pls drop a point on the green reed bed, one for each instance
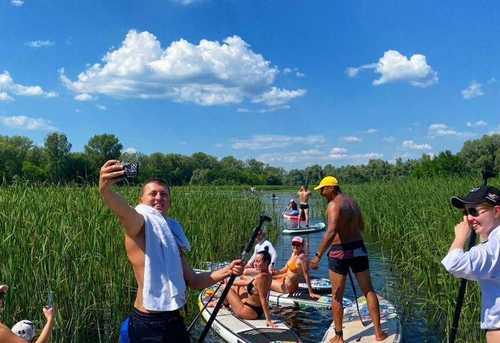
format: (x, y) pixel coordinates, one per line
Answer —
(413, 221)
(66, 240)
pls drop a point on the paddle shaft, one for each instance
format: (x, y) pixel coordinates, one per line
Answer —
(356, 299)
(230, 282)
(460, 298)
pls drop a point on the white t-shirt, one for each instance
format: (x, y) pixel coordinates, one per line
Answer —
(259, 247)
(481, 263)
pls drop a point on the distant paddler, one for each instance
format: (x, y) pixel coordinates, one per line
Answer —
(155, 246)
(304, 195)
(296, 270)
(346, 250)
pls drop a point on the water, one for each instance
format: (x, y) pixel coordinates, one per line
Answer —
(311, 323)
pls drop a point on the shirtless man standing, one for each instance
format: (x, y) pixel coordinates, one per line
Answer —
(156, 314)
(304, 195)
(346, 250)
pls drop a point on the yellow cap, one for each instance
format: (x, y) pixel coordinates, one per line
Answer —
(327, 181)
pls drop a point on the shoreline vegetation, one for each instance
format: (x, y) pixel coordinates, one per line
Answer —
(54, 163)
(63, 238)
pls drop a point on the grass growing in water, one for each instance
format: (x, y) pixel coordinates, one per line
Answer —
(66, 240)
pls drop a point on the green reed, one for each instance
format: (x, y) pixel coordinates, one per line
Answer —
(65, 239)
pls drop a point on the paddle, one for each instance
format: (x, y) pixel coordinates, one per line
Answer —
(356, 299)
(463, 282)
(204, 307)
(243, 256)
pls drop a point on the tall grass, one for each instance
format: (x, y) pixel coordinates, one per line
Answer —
(66, 240)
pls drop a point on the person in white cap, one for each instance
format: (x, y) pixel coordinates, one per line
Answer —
(295, 271)
(24, 331)
(261, 244)
(346, 250)
(481, 263)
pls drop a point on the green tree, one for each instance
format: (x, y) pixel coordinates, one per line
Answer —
(101, 148)
(480, 153)
(57, 148)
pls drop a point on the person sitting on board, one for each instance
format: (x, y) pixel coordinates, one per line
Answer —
(346, 250)
(292, 209)
(24, 331)
(261, 244)
(248, 298)
(295, 271)
(155, 246)
(304, 195)
(481, 263)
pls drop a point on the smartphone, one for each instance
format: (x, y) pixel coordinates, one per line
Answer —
(131, 169)
(50, 299)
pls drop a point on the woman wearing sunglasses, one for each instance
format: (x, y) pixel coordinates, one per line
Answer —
(481, 263)
(296, 270)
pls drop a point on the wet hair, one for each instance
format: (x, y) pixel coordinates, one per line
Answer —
(156, 180)
(266, 255)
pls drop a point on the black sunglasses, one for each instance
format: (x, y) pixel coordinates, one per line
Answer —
(472, 211)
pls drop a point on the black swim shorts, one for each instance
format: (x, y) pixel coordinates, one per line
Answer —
(159, 327)
(304, 206)
(352, 255)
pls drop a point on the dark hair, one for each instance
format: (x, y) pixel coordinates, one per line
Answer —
(266, 255)
(157, 180)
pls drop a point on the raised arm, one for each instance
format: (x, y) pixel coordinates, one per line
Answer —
(333, 214)
(49, 325)
(130, 219)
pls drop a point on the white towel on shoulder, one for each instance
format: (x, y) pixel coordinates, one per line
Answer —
(164, 286)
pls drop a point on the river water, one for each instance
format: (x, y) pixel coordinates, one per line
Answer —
(311, 323)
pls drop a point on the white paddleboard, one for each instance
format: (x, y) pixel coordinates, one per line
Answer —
(319, 285)
(354, 331)
(301, 299)
(235, 330)
(311, 228)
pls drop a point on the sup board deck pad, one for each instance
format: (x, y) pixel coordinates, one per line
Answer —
(319, 285)
(353, 329)
(301, 299)
(311, 228)
(235, 330)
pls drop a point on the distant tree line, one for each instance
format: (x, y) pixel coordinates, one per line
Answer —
(55, 163)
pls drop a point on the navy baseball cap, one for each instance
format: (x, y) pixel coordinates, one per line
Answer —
(478, 195)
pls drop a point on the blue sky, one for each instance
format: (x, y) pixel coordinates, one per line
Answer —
(290, 83)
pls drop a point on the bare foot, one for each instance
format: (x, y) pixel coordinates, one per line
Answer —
(381, 336)
(212, 303)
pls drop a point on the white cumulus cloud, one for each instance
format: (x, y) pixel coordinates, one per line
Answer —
(209, 73)
(27, 123)
(474, 90)
(17, 3)
(351, 139)
(130, 150)
(5, 97)
(40, 43)
(479, 123)
(262, 142)
(396, 67)
(410, 144)
(84, 97)
(8, 88)
(439, 130)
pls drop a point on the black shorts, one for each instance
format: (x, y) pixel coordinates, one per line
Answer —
(352, 255)
(157, 327)
(304, 206)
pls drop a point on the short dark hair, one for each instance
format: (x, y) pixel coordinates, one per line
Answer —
(157, 180)
(265, 254)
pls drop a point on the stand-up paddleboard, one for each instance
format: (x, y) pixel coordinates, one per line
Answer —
(235, 330)
(320, 286)
(311, 228)
(354, 331)
(301, 299)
